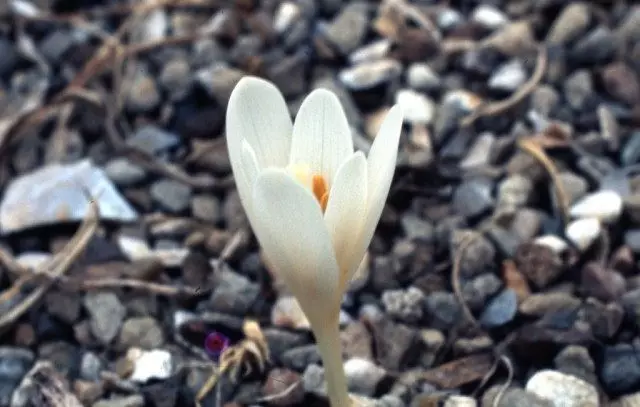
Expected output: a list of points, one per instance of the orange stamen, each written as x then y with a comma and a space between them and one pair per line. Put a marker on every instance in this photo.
320, 191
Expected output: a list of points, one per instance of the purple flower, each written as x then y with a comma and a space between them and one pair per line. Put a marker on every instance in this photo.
215, 344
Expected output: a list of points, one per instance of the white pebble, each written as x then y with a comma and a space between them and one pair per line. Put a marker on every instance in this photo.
508, 77
370, 74
154, 364
371, 52
583, 232
489, 17
603, 205
421, 76
418, 109
361, 371
562, 390
448, 18
553, 242
460, 401
285, 16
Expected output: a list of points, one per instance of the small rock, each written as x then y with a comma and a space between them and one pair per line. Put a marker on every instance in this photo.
90, 366
370, 74
300, 357
479, 153
171, 195
420, 76
622, 83
460, 401
473, 198
127, 401
575, 360
597, 47
508, 77
144, 95
141, 332
478, 255
570, 24
501, 310
153, 140
583, 232
349, 27
545, 100
489, 17
393, 343
620, 371
553, 242
363, 376
106, 313
124, 173
578, 89
601, 283
206, 208
605, 206
515, 191
632, 239
444, 309
234, 293
562, 389
540, 304
417, 108
356, 341
575, 186
538, 263
631, 303
630, 153
371, 52
513, 397
176, 78
285, 16
313, 380
219, 81
629, 28
406, 305
153, 364
14, 365
55, 194
513, 39
479, 289
289, 74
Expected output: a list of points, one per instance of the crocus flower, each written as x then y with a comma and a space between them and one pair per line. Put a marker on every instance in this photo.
313, 202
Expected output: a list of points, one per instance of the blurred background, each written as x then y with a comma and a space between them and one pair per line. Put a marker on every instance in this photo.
503, 272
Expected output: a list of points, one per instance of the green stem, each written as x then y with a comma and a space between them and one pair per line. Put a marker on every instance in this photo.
328, 340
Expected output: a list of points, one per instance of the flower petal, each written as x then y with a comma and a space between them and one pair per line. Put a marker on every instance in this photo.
291, 230
258, 113
245, 174
381, 167
321, 134
346, 212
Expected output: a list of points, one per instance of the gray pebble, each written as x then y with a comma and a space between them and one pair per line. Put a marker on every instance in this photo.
501, 310
171, 195
406, 305
106, 314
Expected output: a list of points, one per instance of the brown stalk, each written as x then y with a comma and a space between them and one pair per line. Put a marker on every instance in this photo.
56, 268
495, 108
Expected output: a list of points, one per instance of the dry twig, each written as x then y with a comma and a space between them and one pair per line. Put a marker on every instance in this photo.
530, 146
495, 108
54, 269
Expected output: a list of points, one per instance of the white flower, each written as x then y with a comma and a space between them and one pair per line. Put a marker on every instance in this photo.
312, 201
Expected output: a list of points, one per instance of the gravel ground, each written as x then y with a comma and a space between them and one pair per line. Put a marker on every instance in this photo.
503, 272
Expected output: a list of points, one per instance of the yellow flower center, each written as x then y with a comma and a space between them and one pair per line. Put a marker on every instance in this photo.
314, 182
